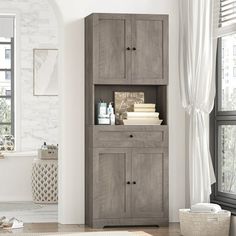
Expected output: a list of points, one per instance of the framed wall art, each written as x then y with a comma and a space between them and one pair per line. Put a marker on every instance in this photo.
45, 72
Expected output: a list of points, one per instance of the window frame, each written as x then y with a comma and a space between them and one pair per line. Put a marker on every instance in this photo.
12, 96
217, 118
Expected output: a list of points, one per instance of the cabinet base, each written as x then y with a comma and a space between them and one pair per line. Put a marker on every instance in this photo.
101, 223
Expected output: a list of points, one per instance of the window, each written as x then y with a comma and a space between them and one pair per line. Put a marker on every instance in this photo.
6, 77
223, 124
223, 117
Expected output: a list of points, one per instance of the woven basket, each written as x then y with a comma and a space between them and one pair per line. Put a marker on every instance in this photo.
204, 224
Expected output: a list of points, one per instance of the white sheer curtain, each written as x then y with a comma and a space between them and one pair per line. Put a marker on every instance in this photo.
197, 90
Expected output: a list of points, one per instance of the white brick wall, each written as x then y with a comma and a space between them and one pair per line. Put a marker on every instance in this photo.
36, 116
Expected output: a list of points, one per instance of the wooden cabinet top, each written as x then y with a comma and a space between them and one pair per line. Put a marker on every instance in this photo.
115, 15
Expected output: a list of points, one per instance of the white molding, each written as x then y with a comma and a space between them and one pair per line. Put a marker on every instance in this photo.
226, 30
32, 154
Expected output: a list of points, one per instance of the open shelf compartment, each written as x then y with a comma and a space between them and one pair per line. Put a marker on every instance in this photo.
156, 94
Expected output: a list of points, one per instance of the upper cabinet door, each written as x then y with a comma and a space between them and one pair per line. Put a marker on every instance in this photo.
149, 49
112, 48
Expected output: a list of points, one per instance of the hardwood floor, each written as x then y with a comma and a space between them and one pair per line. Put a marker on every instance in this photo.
30, 212
172, 230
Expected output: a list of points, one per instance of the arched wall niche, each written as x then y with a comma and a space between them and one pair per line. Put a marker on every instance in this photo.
38, 26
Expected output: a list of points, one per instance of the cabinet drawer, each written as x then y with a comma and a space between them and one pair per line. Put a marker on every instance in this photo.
124, 136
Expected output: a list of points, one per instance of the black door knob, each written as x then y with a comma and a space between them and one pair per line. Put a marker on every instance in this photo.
128, 182
131, 136
128, 48
134, 182
134, 48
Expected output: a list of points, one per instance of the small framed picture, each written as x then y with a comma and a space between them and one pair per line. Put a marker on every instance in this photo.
45, 72
124, 101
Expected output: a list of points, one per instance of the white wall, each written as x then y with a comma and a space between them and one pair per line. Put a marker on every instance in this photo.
71, 209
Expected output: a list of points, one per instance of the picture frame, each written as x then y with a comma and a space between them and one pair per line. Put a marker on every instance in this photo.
124, 101
45, 69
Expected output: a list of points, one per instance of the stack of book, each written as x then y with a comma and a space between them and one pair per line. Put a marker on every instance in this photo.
143, 114
145, 107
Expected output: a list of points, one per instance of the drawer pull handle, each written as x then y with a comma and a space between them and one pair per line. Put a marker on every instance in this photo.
128, 48
134, 182
128, 182
131, 136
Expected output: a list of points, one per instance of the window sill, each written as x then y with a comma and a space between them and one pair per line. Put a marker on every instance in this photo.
20, 154
226, 206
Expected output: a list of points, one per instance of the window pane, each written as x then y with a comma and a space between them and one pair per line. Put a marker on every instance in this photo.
227, 159
5, 129
5, 83
5, 110
5, 40
5, 56
228, 74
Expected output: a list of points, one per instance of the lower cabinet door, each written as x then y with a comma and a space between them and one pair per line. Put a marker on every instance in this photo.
149, 182
112, 183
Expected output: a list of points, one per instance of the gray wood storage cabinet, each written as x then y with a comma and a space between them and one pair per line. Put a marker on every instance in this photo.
126, 166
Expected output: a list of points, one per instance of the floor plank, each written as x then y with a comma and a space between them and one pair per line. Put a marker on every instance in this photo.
30, 212
172, 230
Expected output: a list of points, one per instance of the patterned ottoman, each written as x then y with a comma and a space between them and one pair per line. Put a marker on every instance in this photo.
45, 181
